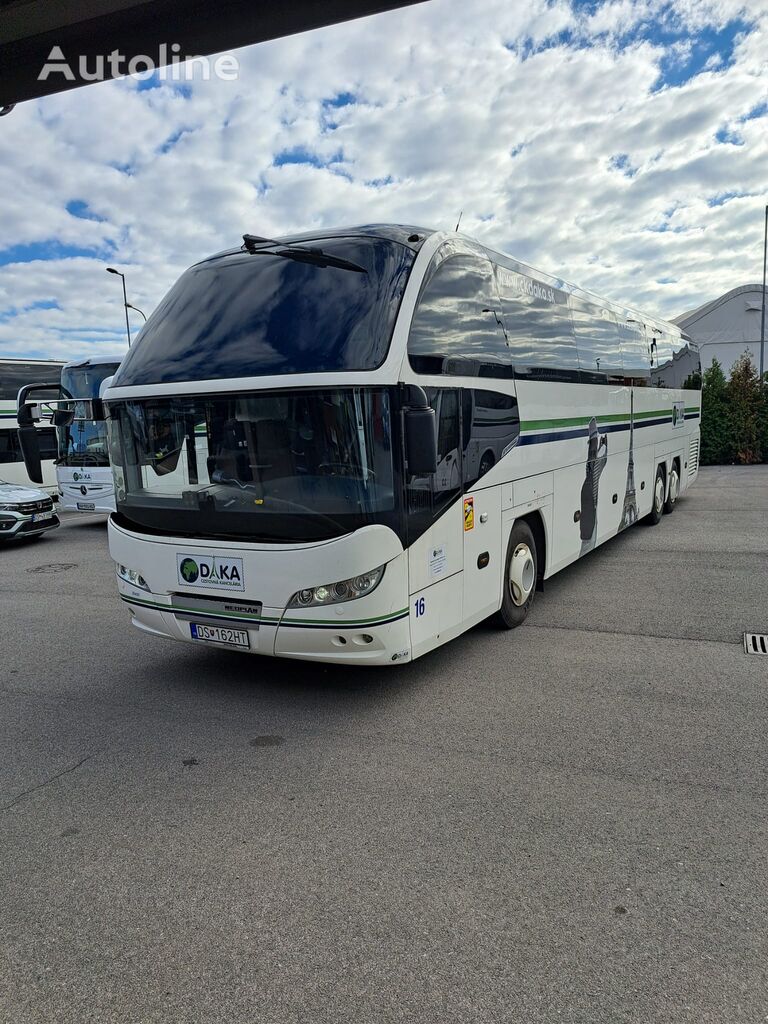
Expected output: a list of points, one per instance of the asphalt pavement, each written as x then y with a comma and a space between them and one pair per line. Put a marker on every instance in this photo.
562, 823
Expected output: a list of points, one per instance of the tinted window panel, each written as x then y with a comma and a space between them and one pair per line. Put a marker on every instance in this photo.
9, 447
597, 342
446, 482
634, 353
673, 362
13, 377
290, 465
490, 428
254, 315
539, 327
457, 327
429, 496
48, 446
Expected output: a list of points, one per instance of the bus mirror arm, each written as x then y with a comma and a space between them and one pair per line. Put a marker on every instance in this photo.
26, 416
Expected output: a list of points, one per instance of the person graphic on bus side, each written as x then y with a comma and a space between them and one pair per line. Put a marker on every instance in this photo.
589, 489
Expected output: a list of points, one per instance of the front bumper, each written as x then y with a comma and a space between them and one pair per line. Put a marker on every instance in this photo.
374, 629
14, 525
95, 499
279, 632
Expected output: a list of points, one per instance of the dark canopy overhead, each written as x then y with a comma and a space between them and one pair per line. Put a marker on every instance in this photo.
29, 29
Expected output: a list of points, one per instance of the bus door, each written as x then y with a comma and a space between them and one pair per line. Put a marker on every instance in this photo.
435, 551
490, 427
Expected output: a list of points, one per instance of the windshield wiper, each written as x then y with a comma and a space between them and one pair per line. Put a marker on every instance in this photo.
256, 245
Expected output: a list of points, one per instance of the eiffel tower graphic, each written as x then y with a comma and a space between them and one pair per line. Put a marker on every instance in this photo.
629, 512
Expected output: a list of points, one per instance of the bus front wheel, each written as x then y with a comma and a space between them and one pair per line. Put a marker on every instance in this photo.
520, 573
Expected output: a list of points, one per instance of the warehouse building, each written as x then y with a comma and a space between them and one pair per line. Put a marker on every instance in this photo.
726, 327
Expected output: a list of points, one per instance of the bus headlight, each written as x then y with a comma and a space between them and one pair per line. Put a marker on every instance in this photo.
335, 593
132, 577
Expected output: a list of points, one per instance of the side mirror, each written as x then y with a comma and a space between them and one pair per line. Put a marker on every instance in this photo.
421, 441
30, 449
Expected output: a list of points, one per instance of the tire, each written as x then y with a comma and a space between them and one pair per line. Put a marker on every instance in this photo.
674, 490
520, 575
657, 509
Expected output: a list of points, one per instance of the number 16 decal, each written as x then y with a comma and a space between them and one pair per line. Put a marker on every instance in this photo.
419, 605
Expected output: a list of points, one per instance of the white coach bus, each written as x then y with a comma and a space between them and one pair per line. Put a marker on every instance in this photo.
82, 470
14, 374
352, 446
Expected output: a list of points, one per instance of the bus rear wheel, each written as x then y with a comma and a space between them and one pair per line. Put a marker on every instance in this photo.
520, 574
657, 509
674, 490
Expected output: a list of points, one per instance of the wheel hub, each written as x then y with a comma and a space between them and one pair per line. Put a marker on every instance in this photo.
522, 574
659, 494
674, 486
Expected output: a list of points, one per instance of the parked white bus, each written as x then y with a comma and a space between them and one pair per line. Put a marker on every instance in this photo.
83, 471
352, 446
14, 374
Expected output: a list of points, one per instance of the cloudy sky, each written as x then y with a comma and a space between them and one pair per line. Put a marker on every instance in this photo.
621, 145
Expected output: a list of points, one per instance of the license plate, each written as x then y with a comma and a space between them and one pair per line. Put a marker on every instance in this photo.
38, 516
86, 506
219, 635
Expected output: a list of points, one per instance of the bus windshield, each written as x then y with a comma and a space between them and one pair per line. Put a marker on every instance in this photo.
264, 313
84, 442
271, 465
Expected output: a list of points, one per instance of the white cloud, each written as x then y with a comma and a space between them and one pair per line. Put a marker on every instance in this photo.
548, 125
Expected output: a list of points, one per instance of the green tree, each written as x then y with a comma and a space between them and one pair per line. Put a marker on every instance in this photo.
747, 403
764, 418
717, 441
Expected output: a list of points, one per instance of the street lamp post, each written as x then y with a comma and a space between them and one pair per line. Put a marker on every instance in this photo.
762, 315
111, 270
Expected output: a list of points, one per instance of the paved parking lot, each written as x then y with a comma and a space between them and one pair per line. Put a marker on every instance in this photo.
566, 823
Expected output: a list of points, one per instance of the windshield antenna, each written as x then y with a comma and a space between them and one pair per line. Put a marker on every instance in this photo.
461, 214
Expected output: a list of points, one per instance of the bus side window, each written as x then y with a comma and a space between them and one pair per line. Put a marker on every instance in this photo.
457, 327
597, 342
539, 326
492, 431
47, 440
429, 496
447, 479
9, 447
634, 354
672, 362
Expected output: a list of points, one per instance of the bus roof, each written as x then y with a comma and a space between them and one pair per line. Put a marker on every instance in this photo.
414, 237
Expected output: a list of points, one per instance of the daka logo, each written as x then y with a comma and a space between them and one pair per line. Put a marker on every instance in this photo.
217, 573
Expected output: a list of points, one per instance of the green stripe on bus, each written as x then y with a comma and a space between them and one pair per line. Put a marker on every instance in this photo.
583, 421
573, 421
342, 622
